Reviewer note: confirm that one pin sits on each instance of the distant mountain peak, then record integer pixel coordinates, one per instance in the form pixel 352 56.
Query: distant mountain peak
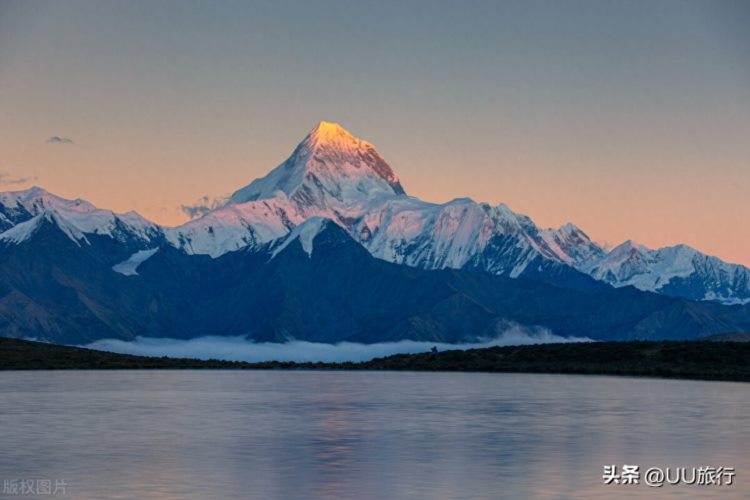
pixel 629 247
pixel 22 213
pixel 37 199
pixel 330 166
pixel 570 228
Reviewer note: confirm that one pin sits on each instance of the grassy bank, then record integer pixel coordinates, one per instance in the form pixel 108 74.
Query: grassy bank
pixel 697 360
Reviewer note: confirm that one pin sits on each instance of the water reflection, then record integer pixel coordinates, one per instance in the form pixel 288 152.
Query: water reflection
pixel 231 434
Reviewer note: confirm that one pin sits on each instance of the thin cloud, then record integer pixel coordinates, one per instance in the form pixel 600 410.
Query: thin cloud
pixel 605 245
pixel 55 139
pixel 242 349
pixel 7 178
pixel 204 205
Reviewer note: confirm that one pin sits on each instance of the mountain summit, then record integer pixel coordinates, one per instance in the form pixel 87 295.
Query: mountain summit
pixel 330 166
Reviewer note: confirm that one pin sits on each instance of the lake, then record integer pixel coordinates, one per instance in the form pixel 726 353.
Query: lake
pixel 325 434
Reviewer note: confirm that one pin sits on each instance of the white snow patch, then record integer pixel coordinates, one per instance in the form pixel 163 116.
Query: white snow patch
pixel 305 233
pixel 727 301
pixel 23 231
pixel 129 267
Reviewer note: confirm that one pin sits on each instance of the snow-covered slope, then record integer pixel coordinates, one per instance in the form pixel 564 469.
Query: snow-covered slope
pixel 305 233
pixel 455 235
pixel 230 228
pixel 677 270
pixel 21 212
pixel 330 174
pixel 571 244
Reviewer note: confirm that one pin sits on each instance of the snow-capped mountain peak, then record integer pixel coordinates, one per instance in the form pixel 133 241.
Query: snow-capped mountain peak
pixel 570 244
pixel 36 200
pixel 675 270
pixel 329 167
pixel 329 174
pixel 21 212
pixel 629 247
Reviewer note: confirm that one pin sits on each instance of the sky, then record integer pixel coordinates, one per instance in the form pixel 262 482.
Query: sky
pixel 630 119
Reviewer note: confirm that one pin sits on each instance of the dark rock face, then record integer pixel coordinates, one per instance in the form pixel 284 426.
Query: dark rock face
pixel 55 289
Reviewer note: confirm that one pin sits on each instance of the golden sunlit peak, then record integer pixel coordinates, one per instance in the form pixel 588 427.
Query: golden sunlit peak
pixel 331 132
pixel 324 127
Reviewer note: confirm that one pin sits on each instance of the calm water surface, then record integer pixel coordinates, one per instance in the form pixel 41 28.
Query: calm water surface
pixel 274 434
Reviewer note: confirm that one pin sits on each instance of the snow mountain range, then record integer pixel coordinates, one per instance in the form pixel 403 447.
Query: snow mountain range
pixel 332 176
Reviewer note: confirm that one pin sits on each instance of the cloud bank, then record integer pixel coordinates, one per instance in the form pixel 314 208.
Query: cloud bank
pixel 204 205
pixel 242 349
pixel 7 178
pixel 55 139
